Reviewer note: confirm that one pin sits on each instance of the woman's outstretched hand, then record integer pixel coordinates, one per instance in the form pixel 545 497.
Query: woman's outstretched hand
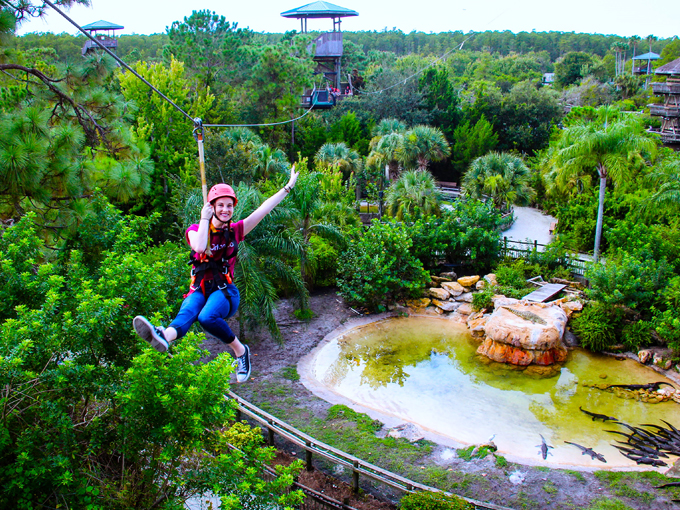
pixel 293 177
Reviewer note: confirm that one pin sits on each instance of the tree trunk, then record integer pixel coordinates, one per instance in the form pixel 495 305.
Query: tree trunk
pixel 600 211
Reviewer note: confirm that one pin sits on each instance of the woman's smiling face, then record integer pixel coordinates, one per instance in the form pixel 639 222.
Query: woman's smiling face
pixel 224 208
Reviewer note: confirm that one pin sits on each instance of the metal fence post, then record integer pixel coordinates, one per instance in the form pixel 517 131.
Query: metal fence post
pixel 355 477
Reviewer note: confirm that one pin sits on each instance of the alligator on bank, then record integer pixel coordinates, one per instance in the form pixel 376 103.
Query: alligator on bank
pixel 589 451
pixel 544 448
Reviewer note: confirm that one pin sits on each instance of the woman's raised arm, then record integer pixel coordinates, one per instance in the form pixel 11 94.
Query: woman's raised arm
pixel 268 205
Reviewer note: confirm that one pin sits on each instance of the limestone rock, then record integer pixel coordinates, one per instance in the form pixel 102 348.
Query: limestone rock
pixel 464 309
pixel 466 297
pixel 480 284
pixel 453 288
pixel 418 303
pixel 450 274
pixel 570 339
pixel 439 310
pixel 476 324
pixel 514 337
pixel 645 355
pixel 662 362
pixel 438 293
pixel 571 306
pixel 407 431
pixel 501 300
pixel 491 279
pixel 439 279
pixel 468 281
pixel 447 306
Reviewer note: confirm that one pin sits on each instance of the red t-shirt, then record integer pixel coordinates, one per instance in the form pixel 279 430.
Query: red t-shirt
pixel 219 248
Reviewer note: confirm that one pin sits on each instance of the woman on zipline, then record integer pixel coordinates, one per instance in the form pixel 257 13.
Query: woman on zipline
pixel 212 296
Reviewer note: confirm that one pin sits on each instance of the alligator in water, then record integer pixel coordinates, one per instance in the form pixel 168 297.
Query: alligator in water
pixel 544 447
pixel 651 386
pixel 589 451
pixel 597 416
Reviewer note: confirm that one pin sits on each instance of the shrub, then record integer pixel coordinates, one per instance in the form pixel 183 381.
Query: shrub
pixel 424 500
pixel 324 262
pixel 378 268
pixel 636 335
pixel 596 326
pixel 482 299
pixel 666 320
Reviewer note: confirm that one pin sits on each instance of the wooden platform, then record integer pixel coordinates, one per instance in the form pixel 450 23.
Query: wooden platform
pixel 545 292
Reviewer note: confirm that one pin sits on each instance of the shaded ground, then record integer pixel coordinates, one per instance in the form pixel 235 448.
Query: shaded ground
pixel 275 387
pixel 530 224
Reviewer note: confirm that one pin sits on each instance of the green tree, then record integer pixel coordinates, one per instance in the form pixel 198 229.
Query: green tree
pixel 470 142
pixel 339 155
pixel 414 193
pixel 613 147
pixel 502 176
pixel 441 99
pixel 209 45
pixel 569 69
pixel 421 145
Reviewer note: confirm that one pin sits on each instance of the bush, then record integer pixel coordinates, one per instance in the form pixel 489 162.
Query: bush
pixel 481 300
pixel 378 268
pixel 666 320
pixel 637 335
pixel 596 326
pixel 324 262
pixel 424 500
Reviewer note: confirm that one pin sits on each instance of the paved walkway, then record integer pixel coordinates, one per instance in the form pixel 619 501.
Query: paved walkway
pixel 530 224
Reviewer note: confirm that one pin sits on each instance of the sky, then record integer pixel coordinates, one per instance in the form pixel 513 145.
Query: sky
pixel 624 17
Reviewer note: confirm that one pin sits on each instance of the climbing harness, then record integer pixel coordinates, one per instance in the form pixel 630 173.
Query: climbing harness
pixel 219 269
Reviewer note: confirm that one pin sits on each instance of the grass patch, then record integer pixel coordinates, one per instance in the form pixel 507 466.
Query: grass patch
pixel 304 315
pixel 467 453
pixel 550 488
pixel 543 469
pixel 290 372
pixel 605 503
pixel 623 483
pixel 363 421
pixel 501 461
pixel 576 474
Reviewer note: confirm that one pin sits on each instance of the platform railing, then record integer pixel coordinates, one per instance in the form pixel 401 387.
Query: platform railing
pixel 357 466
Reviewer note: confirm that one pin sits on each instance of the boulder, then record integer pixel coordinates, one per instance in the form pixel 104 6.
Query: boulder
pixel 450 274
pixel 645 355
pixel 447 306
pixel 524 333
pixel 501 300
pixel 662 362
pixel 439 279
pixel 464 309
pixel 491 279
pixel 468 281
pixel 418 303
pixel 476 323
pixel 481 284
pixel 407 431
pixel 571 306
pixel 453 288
pixel 437 293
pixel 466 297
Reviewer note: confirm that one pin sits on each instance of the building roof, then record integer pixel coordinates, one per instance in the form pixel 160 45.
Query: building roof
pixel 319 10
pixel 648 56
pixel 103 25
pixel 672 67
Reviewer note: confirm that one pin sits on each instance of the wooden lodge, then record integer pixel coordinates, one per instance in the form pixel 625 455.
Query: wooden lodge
pixel 669 111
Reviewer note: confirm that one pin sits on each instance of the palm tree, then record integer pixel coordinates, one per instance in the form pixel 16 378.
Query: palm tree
pixel 414 190
pixel 612 148
pixel 665 179
pixel 633 41
pixel 384 153
pixel 503 177
pixel 269 161
pixel 650 39
pixel 388 126
pixel 421 145
pixel 339 155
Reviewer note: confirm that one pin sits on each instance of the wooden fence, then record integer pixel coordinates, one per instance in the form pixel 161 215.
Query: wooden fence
pixel 356 466
pixel 523 249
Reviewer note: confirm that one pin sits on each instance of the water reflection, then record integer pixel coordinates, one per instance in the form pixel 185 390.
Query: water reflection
pixel 427 371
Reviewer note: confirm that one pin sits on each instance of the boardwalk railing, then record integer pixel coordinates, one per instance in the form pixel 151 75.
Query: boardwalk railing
pixel 576 263
pixel 357 466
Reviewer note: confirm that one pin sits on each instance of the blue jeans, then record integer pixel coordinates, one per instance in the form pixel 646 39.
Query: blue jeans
pixel 211 311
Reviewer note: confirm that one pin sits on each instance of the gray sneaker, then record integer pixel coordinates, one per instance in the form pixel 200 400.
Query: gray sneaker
pixel 152 334
pixel 243 366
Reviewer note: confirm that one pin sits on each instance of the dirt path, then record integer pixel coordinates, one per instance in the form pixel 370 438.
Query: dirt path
pixel 275 387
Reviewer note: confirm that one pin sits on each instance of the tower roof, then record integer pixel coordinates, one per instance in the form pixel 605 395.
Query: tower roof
pixel 672 67
pixel 103 25
pixel 319 10
pixel 647 56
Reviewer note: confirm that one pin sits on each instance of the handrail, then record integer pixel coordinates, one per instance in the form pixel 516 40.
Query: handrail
pixel 356 465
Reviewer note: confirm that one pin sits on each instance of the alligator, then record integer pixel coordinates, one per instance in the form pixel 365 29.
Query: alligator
pixel 669 484
pixel 636 452
pixel 526 315
pixel 597 416
pixel 645 450
pixel 544 448
pixel 589 451
pixel 649 461
pixel 650 386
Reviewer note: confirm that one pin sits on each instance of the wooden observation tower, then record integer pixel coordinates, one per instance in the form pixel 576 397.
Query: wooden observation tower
pixel 327 52
pixel 107 38
pixel 669 111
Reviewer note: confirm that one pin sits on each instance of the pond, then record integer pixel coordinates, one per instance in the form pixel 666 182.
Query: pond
pixel 426 371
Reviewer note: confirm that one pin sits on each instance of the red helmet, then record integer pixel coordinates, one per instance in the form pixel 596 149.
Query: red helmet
pixel 221 190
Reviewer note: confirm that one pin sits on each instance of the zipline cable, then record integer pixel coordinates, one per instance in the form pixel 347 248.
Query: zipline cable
pixel 262 125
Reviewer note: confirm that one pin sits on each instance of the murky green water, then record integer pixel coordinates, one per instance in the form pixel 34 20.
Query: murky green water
pixel 426 371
